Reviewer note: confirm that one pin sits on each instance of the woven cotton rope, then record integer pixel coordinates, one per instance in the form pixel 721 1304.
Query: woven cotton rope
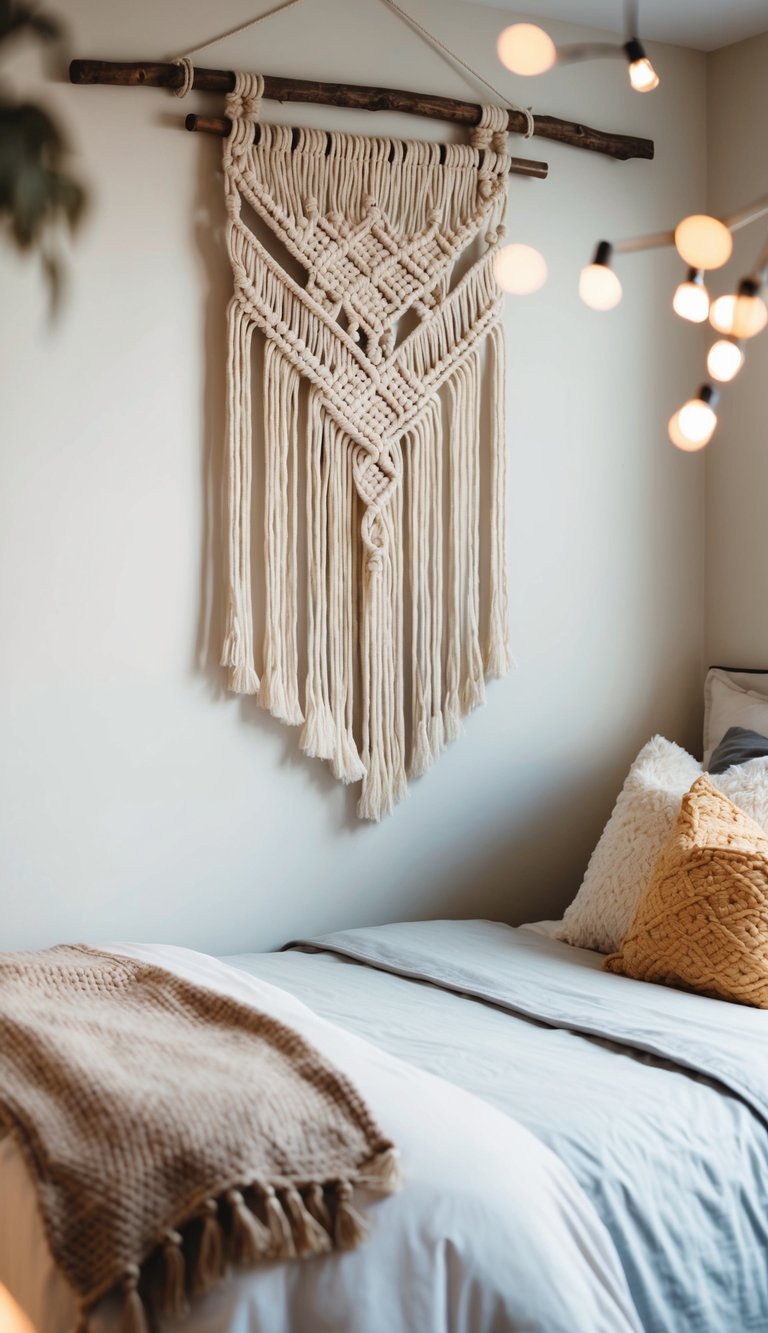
pixel 383 370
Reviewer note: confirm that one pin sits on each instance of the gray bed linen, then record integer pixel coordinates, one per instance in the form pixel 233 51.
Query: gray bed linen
pixel 656 1100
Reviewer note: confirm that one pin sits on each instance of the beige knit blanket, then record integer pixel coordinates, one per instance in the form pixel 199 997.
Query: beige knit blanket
pixel 171 1132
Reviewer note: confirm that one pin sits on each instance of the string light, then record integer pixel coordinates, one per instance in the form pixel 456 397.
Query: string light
pixel 520 269
pixel 693 426
pixel 702 241
pixel 599 287
pixel 725 359
pixel 691 299
pixel 525 48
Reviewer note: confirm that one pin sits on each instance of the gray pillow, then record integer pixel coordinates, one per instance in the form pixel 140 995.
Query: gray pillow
pixel 738 746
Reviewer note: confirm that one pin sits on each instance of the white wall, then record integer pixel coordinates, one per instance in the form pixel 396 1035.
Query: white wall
pixel 137 799
pixel 737 462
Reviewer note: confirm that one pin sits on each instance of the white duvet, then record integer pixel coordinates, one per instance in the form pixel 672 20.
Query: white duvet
pixel 489 1234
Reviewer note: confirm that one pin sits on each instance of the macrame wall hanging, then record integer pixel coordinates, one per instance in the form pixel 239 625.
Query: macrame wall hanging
pixel 382 386
pixel 370 548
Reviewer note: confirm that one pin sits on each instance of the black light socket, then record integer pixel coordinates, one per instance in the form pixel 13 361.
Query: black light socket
pixel 603 253
pixel 695 275
pixel 709 394
pixel 635 50
pixel 748 287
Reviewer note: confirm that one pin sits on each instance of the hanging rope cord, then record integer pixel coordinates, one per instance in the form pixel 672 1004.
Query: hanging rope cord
pixel 450 57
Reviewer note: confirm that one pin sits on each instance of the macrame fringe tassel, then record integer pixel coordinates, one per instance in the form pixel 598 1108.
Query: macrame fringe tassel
pixel 464 670
pixel 418 542
pixel 383 726
pixel 237 653
pixel 317 737
pixel 424 471
pixel 279 692
pixel 436 725
pixel 498 659
pixel 473 681
pixel 355 601
pixel 456 540
pixel 346 764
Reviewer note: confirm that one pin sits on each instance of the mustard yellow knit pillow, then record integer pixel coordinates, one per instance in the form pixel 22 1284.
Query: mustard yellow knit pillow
pixel 703 921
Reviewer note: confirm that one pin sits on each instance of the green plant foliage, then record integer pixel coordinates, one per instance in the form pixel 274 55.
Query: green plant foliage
pixel 37 194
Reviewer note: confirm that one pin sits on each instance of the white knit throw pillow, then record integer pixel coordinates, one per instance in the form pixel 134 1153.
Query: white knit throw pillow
pixel 621 865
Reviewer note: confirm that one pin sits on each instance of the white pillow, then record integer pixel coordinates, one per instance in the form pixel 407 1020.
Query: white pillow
pixel 738 699
pixel 621 865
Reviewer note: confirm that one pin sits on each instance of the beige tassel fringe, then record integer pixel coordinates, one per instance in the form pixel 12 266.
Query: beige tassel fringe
pixel 174 1299
pixel 211 1264
pixel 134 1314
pixel 283 1246
pixel 250 1240
pixel 301 1221
pixel 309 1236
pixel 316 1205
pixel 350 1229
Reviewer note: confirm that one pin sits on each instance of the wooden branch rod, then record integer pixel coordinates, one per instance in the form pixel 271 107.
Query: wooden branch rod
pixel 221 125
pixel 143 74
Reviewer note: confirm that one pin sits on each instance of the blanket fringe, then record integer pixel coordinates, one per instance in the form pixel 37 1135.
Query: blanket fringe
pixel 316 1205
pixel 249 1239
pixel 211 1263
pixel 382 1172
pixel 246 1227
pixel 174 1299
pixel 282 1237
pixel 350 1229
pixel 309 1236
pixel 134 1313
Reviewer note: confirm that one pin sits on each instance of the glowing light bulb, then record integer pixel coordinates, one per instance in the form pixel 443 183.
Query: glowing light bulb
pixel 721 313
pixel 526 49
pixel 724 360
pixel 693 426
pixel 599 288
pixel 642 75
pixel 743 315
pixel 691 299
pixel 520 269
pixel 703 242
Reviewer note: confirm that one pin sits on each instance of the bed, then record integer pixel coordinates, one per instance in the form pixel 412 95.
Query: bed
pixel 581 1151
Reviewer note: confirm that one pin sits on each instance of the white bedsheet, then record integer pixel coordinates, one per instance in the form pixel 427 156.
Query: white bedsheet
pixel 490 1234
